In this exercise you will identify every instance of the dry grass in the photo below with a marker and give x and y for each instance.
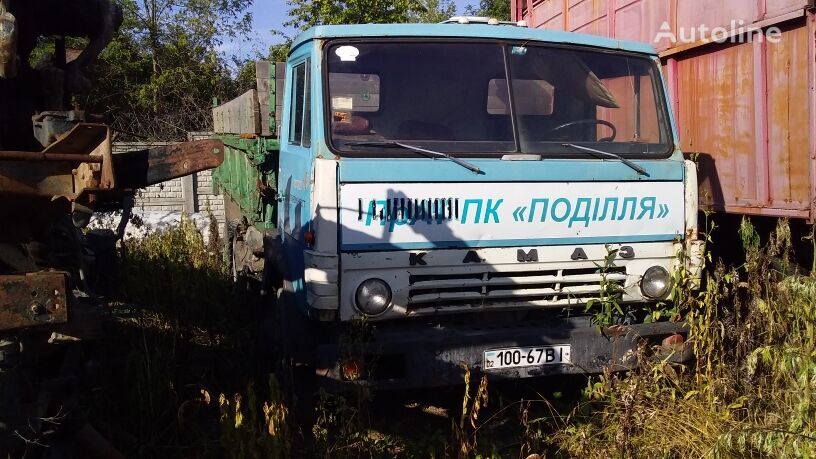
(183, 349)
(749, 394)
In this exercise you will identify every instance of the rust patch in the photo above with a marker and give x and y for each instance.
(92, 140)
(32, 299)
(186, 158)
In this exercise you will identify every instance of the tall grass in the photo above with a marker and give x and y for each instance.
(180, 337)
(750, 392)
(185, 337)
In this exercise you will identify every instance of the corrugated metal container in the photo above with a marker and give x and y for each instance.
(747, 107)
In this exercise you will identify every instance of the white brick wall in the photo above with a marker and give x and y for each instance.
(170, 195)
(206, 197)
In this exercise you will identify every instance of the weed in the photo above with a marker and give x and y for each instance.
(248, 432)
(180, 332)
(338, 432)
(607, 306)
(464, 433)
(751, 390)
(749, 393)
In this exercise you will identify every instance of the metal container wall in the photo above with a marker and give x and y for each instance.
(746, 109)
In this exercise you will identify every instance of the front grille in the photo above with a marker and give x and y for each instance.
(485, 289)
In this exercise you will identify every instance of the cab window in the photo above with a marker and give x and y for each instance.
(300, 120)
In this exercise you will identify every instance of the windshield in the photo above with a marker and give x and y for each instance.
(456, 97)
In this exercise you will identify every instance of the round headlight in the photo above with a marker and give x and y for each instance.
(656, 283)
(373, 297)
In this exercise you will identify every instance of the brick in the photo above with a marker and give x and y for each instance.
(168, 196)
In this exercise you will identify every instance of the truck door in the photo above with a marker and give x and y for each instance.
(296, 167)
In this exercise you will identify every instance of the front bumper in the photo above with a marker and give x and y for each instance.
(453, 281)
(411, 357)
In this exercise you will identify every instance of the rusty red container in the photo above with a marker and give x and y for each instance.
(743, 93)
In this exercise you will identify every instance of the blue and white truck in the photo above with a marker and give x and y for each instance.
(466, 190)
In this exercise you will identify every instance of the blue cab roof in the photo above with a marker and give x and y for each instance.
(506, 32)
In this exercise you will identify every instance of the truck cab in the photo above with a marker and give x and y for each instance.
(476, 194)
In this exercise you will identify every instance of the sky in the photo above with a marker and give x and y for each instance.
(271, 14)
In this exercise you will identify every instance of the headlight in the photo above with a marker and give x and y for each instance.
(373, 297)
(656, 283)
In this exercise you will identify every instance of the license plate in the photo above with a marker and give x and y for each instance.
(514, 357)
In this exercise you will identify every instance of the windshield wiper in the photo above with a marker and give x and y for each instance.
(606, 154)
(423, 151)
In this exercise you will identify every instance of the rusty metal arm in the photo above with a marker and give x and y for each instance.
(81, 168)
(79, 173)
(141, 168)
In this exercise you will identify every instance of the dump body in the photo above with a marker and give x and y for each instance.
(745, 106)
(248, 125)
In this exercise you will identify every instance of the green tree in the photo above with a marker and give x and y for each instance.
(433, 11)
(278, 52)
(158, 77)
(499, 9)
(308, 13)
(245, 78)
(195, 23)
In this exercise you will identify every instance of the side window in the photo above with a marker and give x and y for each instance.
(300, 121)
(307, 108)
